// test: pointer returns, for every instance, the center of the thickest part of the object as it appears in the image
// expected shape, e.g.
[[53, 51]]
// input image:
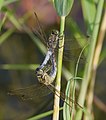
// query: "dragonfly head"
[[55, 32], [43, 77], [37, 69], [39, 72]]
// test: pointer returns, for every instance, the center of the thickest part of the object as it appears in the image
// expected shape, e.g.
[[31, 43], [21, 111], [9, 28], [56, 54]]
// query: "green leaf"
[[14, 20], [18, 66], [4, 36], [7, 2], [103, 55], [89, 12], [76, 32], [3, 20], [41, 116], [1, 4], [88, 67], [66, 108], [63, 7], [12, 17]]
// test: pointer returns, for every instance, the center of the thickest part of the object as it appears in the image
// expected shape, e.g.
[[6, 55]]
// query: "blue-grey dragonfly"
[[31, 92], [42, 75]]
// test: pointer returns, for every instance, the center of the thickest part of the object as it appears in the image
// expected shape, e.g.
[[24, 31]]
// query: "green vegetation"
[[93, 18]]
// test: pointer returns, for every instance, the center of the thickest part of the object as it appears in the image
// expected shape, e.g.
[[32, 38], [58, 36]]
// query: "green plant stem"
[[4, 36], [59, 66], [88, 67], [40, 116], [95, 65], [74, 84], [18, 66]]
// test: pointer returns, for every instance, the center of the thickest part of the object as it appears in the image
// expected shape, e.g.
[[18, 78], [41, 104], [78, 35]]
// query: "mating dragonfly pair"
[[43, 73]]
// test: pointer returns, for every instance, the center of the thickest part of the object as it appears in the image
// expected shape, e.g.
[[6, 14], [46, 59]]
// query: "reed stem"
[[95, 65], [88, 67], [59, 70]]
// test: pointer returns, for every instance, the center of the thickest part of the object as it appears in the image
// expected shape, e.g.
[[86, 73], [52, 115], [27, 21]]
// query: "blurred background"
[[21, 52]]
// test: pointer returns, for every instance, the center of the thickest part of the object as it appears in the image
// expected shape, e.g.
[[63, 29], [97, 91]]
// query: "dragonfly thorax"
[[53, 39]]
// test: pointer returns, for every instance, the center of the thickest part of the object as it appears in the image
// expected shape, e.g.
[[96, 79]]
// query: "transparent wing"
[[71, 45], [75, 52], [31, 92], [73, 56], [39, 31], [38, 91], [72, 50], [63, 96]]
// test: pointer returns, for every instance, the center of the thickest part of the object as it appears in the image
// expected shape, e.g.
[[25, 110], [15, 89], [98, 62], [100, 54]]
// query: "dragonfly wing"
[[73, 43], [39, 30], [72, 50], [31, 92], [73, 56], [63, 96]]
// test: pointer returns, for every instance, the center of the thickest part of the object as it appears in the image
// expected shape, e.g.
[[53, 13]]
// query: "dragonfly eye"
[[55, 32], [37, 69], [39, 72]]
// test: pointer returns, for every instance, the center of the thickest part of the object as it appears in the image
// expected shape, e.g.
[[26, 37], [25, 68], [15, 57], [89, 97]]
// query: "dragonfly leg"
[[60, 40], [61, 37]]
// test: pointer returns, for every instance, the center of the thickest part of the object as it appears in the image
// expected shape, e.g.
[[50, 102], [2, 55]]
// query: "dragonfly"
[[44, 77], [52, 43], [42, 74], [72, 48], [44, 87], [40, 90]]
